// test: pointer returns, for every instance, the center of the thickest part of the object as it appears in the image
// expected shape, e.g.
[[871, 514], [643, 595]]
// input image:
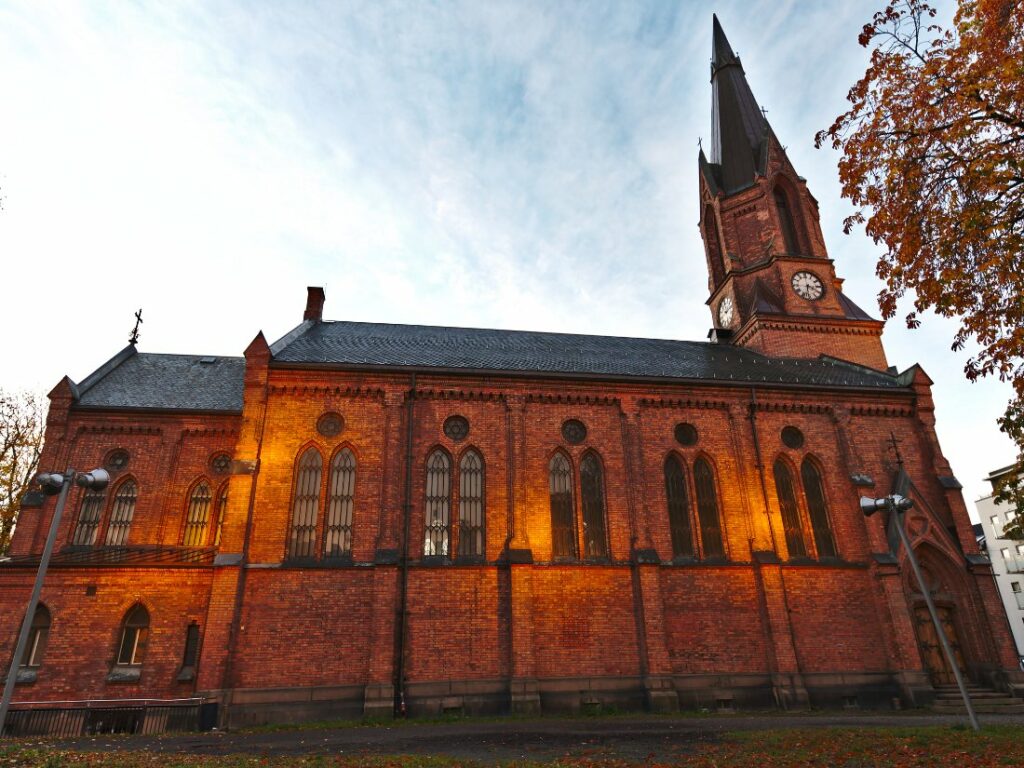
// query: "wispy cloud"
[[507, 164]]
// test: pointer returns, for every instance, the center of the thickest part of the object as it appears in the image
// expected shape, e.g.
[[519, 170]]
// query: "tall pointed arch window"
[[678, 507], [563, 531], [786, 222], [437, 510], [121, 514], [38, 636], [134, 636], [790, 511], [814, 492], [89, 515], [338, 529], [707, 509], [197, 516], [595, 537], [713, 245], [305, 505], [471, 505]]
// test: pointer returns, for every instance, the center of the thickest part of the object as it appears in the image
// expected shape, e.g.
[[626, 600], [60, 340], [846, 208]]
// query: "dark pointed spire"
[[721, 51], [738, 127]]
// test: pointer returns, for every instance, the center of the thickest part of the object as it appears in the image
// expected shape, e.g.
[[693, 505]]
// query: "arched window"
[[121, 514], [222, 506], [786, 222], [713, 245], [707, 509], [595, 538], [815, 494], [197, 517], [88, 518], [563, 532], [306, 505], [134, 634], [437, 510], [338, 530], [471, 505], [790, 511], [37, 637], [678, 508]]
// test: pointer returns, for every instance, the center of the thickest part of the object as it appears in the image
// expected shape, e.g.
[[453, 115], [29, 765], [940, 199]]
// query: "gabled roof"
[[176, 382], [365, 346]]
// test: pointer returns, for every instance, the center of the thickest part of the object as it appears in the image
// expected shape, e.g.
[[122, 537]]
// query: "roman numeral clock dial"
[[807, 286], [725, 312]]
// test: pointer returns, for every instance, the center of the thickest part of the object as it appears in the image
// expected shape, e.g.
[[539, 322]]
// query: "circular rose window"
[[220, 463], [456, 427], [116, 460], [792, 437], [330, 424], [686, 434], [574, 431]]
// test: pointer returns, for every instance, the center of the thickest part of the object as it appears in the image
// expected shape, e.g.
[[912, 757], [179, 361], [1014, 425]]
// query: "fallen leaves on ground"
[[803, 748]]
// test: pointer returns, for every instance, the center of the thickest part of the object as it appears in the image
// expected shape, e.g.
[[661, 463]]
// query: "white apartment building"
[[1007, 558]]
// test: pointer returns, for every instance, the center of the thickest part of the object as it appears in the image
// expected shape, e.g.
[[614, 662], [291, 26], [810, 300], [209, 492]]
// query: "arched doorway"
[[943, 587]]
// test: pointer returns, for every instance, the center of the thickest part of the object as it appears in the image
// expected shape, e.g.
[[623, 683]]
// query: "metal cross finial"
[[699, 144], [894, 446], [764, 112], [134, 338]]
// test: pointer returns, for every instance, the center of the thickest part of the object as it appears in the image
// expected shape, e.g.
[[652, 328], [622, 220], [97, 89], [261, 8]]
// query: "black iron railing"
[[85, 718]]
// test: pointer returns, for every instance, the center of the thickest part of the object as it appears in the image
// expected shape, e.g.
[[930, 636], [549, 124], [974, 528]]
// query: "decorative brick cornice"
[[374, 393], [478, 395], [572, 399], [116, 429], [680, 402]]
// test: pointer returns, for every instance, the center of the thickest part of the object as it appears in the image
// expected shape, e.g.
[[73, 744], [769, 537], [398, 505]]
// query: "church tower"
[[772, 286]]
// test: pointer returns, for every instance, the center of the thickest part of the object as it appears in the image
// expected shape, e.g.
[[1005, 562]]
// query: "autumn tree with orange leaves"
[[933, 158]]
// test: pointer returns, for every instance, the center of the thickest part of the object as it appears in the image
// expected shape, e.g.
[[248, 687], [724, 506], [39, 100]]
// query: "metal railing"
[[86, 718]]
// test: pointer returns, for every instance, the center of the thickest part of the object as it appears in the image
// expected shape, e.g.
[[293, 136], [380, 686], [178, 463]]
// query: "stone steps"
[[984, 700]]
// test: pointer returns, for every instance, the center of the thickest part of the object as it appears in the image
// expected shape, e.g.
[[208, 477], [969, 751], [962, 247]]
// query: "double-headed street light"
[[52, 483], [897, 504]]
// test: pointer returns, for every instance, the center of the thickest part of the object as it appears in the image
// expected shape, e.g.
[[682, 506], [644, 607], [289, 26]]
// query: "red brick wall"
[[86, 629], [698, 640], [335, 626]]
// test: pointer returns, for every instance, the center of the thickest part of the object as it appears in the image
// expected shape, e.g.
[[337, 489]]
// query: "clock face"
[[807, 286], [725, 312]]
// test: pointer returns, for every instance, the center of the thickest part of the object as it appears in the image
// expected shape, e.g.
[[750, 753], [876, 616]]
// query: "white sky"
[[490, 164]]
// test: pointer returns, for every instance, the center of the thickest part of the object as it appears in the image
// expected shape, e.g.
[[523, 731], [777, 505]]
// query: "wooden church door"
[[931, 649]]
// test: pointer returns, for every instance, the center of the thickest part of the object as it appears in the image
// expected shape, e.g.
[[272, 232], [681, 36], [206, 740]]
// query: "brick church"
[[365, 518]]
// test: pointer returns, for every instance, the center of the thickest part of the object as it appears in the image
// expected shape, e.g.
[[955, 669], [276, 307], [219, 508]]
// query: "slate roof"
[[382, 345], [739, 130], [177, 382]]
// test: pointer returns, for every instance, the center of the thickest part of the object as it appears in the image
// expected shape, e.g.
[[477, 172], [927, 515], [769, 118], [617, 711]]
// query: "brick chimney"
[[314, 304]]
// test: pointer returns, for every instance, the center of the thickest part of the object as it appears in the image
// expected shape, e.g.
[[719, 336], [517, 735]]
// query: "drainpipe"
[[236, 618], [401, 629]]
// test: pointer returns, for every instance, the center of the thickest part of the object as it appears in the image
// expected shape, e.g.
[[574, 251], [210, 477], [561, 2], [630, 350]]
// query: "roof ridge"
[[520, 330], [100, 373]]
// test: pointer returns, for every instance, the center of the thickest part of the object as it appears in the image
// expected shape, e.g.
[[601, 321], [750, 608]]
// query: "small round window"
[[220, 463], [686, 434], [456, 428], [792, 437], [116, 460], [574, 431], [330, 424]]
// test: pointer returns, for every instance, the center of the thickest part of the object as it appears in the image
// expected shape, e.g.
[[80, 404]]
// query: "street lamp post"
[[897, 504], [52, 483]]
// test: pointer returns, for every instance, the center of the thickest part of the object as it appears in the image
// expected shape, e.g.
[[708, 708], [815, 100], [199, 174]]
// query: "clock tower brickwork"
[[772, 286]]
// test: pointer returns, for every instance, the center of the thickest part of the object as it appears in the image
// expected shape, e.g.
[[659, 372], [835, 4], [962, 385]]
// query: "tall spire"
[[738, 127]]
